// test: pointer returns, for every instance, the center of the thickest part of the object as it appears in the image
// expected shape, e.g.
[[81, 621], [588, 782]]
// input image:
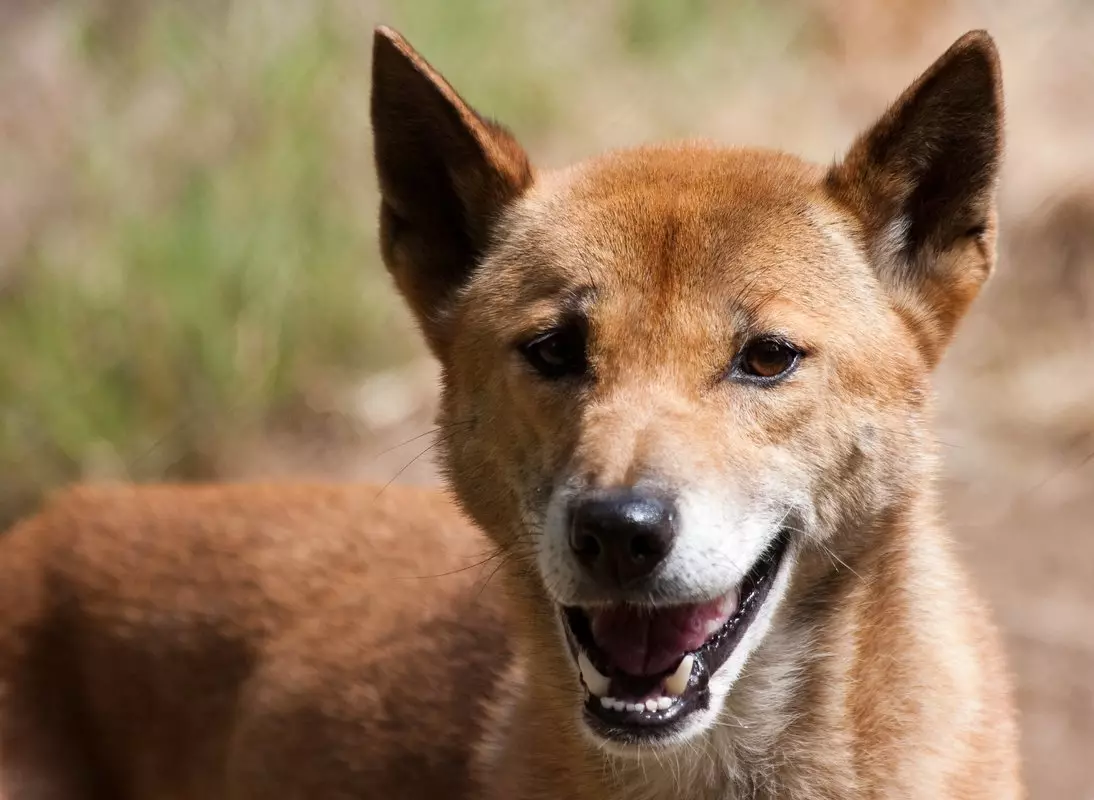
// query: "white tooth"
[[730, 603], [607, 702], [714, 626], [677, 683], [651, 705], [596, 683], [638, 706], [619, 705], [664, 703]]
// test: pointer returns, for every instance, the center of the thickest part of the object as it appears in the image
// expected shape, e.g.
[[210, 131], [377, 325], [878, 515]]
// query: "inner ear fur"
[[922, 183], [446, 175]]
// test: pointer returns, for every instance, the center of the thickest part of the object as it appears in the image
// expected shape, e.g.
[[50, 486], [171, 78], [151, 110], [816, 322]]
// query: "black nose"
[[620, 536]]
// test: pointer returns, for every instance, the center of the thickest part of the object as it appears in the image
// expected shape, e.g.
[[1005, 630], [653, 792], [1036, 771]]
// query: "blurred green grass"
[[208, 253], [206, 270]]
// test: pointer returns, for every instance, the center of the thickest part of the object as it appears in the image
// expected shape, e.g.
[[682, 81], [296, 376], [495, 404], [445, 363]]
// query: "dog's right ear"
[[446, 174], [922, 182]]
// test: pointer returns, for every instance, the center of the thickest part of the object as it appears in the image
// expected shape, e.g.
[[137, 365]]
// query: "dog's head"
[[674, 375]]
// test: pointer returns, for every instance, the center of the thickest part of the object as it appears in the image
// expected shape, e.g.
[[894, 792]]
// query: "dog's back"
[[243, 642]]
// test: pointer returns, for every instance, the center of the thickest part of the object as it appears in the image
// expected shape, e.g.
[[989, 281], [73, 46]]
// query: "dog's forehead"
[[680, 232]]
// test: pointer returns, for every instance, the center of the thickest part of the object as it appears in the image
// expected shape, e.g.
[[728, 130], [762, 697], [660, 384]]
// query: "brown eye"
[[559, 353], [767, 359]]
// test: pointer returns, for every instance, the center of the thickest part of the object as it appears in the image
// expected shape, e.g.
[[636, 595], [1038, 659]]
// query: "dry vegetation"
[[189, 284]]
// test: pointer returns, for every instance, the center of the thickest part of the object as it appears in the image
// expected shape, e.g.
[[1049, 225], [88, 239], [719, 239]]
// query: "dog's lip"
[[636, 721]]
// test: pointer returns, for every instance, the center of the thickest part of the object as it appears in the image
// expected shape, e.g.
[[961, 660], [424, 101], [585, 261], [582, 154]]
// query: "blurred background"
[[190, 286]]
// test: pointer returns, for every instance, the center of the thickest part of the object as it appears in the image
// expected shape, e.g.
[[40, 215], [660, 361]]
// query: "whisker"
[[832, 554], [430, 432], [407, 466], [809, 538], [500, 551], [504, 560]]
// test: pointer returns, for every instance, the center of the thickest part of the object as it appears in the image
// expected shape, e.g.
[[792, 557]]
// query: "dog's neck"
[[793, 725]]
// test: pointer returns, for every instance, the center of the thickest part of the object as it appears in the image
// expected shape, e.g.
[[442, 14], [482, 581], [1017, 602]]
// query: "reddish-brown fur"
[[325, 642], [211, 642]]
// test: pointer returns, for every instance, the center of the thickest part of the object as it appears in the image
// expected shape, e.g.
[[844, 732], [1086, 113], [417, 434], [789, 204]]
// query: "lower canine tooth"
[[731, 602], [651, 705], [596, 683], [677, 683]]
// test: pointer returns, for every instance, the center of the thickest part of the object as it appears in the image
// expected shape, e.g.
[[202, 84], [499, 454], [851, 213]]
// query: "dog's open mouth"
[[647, 668]]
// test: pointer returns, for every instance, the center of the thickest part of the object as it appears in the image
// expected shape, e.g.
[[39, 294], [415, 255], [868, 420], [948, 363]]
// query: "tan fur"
[[327, 642]]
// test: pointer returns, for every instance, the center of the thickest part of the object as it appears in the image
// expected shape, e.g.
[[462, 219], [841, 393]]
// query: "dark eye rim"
[[575, 368], [737, 367]]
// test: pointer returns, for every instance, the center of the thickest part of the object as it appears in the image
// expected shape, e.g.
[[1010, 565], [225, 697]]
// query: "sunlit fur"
[[319, 642]]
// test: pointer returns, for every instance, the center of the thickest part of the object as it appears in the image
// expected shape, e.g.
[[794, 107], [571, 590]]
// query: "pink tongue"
[[652, 641]]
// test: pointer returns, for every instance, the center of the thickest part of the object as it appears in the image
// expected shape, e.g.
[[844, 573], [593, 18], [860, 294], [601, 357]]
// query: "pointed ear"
[[922, 183], [445, 173]]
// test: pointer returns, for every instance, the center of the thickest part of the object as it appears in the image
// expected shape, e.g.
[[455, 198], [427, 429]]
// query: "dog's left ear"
[[922, 182]]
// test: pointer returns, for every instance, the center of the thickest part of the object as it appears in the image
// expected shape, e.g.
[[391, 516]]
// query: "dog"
[[691, 547]]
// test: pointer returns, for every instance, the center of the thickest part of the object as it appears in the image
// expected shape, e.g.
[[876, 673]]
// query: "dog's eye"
[[767, 359], [559, 353]]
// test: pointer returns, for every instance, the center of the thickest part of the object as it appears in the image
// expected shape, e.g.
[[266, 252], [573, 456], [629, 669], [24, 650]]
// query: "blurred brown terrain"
[[190, 288]]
